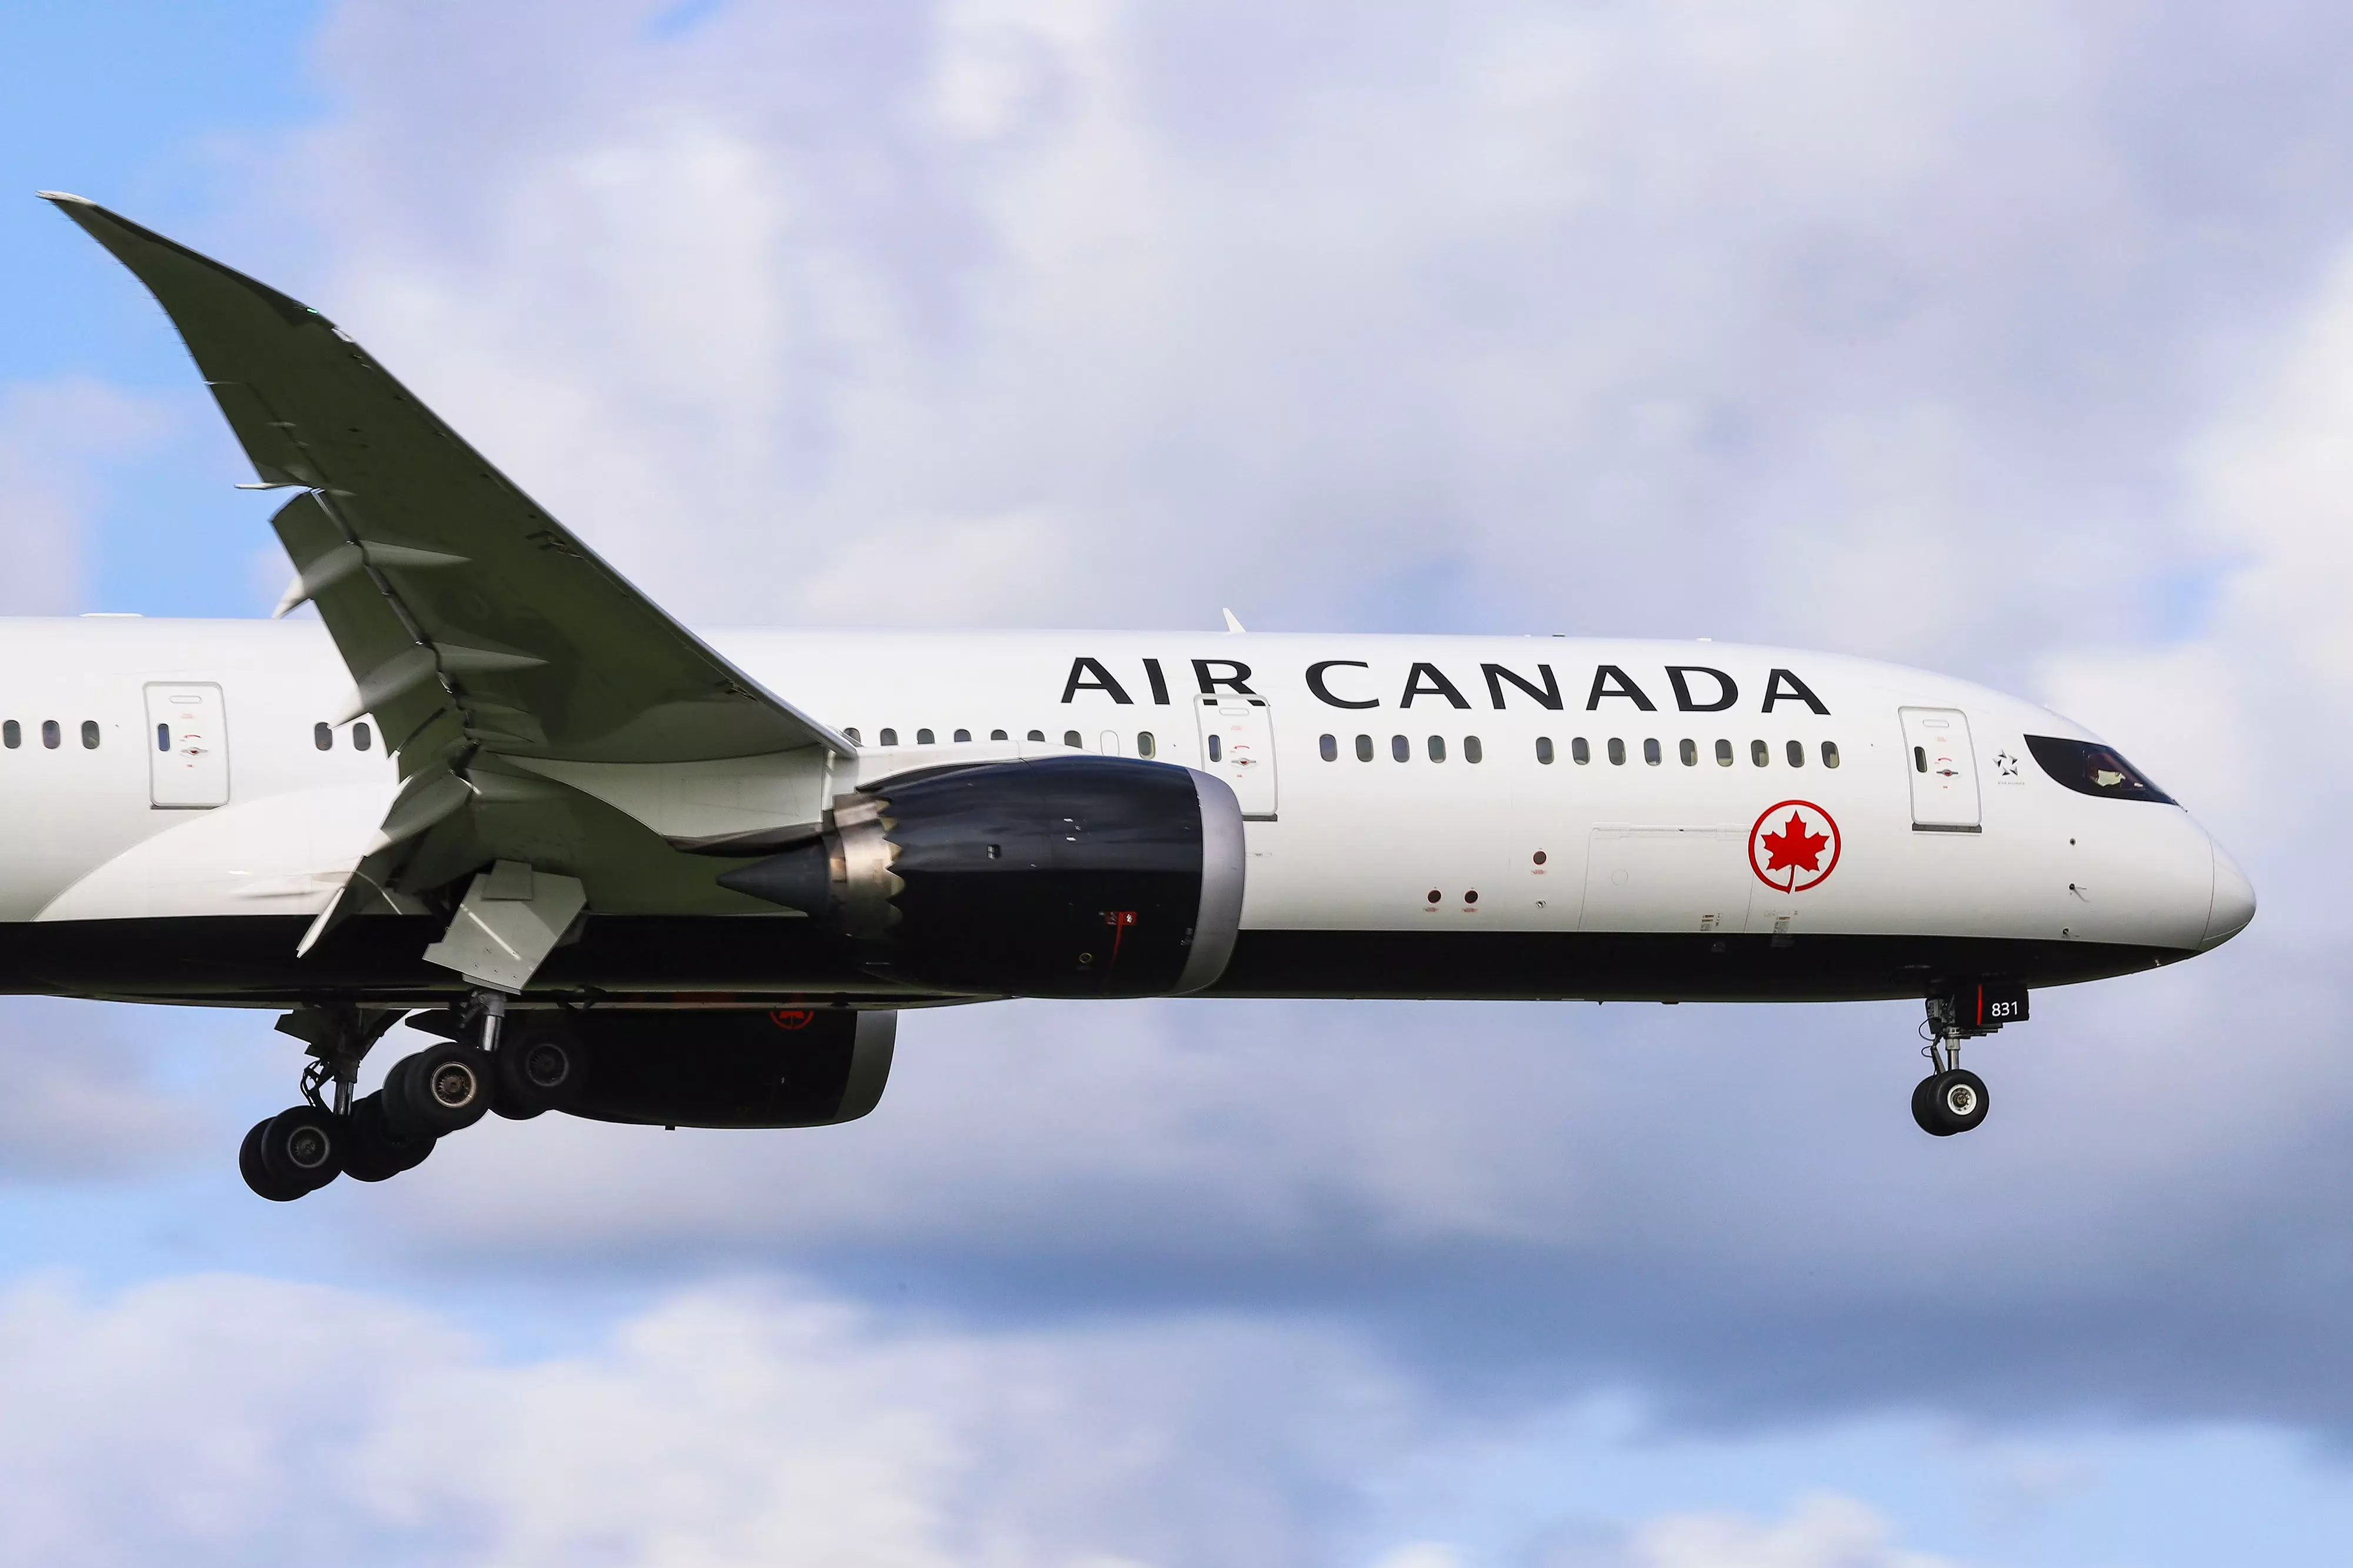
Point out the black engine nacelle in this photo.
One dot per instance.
(1064, 876)
(717, 1067)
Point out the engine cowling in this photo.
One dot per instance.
(1062, 877)
(719, 1067)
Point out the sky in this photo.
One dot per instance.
(2015, 340)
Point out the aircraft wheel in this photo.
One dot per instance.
(258, 1175)
(374, 1152)
(303, 1148)
(534, 1076)
(437, 1092)
(1948, 1102)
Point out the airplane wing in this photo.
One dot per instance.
(494, 647)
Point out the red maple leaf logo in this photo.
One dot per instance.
(1794, 848)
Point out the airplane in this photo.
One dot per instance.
(615, 869)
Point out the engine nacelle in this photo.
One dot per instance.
(713, 1067)
(1063, 877)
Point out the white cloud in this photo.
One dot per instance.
(1108, 312)
(221, 1418)
(54, 435)
(81, 1101)
(1821, 1531)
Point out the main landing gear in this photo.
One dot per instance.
(427, 1095)
(1952, 1098)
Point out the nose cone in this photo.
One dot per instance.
(2234, 901)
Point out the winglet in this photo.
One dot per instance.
(1233, 624)
(65, 196)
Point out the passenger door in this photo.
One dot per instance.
(188, 766)
(1238, 745)
(1944, 770)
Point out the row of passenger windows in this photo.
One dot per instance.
(1145, 746)
(12, 734)
(1401, 747)
(322, 736)
(1580, 752)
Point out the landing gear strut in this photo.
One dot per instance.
(1952, 1098)
(427, 1095)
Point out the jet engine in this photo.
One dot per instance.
(719, 1066)
(1062, 877)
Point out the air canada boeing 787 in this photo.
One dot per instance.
(624, 871)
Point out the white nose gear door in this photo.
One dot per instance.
(1944, 770)
(1238, 745)
(187, 735)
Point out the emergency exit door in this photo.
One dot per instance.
(188, 740)
(1238, 745)
(1944, 770)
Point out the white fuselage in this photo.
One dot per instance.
(1391, 784)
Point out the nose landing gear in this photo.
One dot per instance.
(1952, 1098)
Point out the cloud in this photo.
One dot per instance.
(82, 1100)
(216, 1418)
(53, 437)
(1821, 1531)
(1602, 319)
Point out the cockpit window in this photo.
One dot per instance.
(2090, 768)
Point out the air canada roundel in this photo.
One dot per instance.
(1793, 846)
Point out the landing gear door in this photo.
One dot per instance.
(1238, 745)
(1943, 767)
(187, 738)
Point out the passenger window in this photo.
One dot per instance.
(1401, 748)
(1145, 746)
(1689, 754)
(963, 736)
(999, 735)
(854, 737)
(890, 737)
(1758, 754)
(1919, 759)
(1071, 739)
(1797, 752)
(1217, 748)
(322, 736)
(1037, 735)
(362, 737)
(1580, 753)
(1724, 754)
(1651, 752)
(1616, 752)
(89, 735)
(1544, 750)
(925, 738)
(50, 733)
(1471, 751)
(1830, 753)
(1330, 746)
(1364, 748)
(12, 735)
(162, 735)
(1438, 748)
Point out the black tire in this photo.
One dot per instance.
(373, 1150)
(257, 1174)
(536, 1073)
(438, 1091)
(1949, 1102)
(303, 1148)
(1923, 1106)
